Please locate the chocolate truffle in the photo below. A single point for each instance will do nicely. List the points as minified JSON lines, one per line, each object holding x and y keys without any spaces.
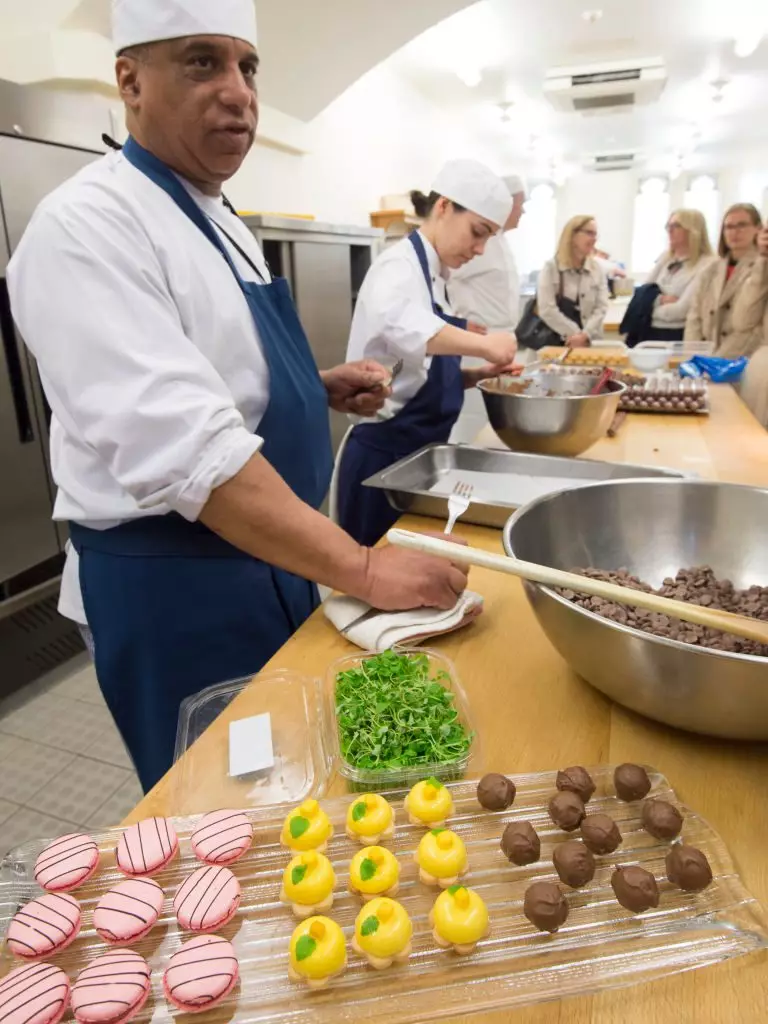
{"x":632,"y":782}
{"x":567,"y":811}
{"x":520,"y":843}
{"x":574,"y":864}
{"x":688,"y":869}
{"x":600,"y":834}
{"x":545,"y":906}
{"x":661,"y":819}
{"x":576,"y":780}
{"x":496,"y":792}
{"x":635,"y":889}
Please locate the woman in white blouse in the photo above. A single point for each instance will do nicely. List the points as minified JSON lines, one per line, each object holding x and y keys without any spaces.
{"x":678,"y":271}
{"x":573,"y":289}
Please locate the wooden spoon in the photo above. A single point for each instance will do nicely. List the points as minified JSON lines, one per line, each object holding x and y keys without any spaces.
{"x":727,"y":622}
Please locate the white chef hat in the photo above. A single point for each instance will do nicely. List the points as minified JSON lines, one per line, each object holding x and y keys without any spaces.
{"x":136,"y":22}
{"x":476,"y":188}
{"x":516,"y":184}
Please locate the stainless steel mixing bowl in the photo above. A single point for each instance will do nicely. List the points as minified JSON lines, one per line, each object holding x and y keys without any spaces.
{"x":653,"y":528}
{"x":567,"y":422}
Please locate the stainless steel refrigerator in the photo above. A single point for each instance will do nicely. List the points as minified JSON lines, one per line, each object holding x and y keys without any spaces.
{"x":45,"y":138}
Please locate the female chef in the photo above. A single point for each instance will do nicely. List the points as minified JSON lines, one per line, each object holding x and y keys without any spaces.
{"x":403,"y":314}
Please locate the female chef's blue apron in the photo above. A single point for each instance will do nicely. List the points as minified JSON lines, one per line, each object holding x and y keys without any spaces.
{"x":173,"y":607}
{"x":428,"y":418}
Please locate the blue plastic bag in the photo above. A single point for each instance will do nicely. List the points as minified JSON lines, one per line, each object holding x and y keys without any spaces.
{"x":719,"y":371}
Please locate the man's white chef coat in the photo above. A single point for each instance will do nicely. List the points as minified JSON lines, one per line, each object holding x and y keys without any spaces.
{"x":487,"y":289}
{"x":147,"y":349}
{"x":394,"y":318}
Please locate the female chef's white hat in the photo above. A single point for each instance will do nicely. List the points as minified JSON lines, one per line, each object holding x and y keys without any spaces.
{"x":476,"y":188}
{"x":136,"y":22}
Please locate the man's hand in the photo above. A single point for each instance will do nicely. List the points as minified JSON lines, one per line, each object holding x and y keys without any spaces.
{"x":399,"y":579}
{"x":357,"y":388}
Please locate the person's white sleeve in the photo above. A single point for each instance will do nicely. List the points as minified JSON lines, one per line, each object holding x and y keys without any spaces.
{"x":91,"y":301}
{"x":398,"y":311}
{"x":547,"y":307}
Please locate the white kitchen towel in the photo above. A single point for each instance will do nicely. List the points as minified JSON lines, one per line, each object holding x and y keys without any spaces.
{"x":379,"y":631}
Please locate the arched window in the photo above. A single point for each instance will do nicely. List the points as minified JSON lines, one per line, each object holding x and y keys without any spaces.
{"x":703,"y":194}
{"x":649,"y":237}
{"x":536,"y":240}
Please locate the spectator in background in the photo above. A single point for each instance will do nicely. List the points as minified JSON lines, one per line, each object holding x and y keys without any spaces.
{"x":729,"y":303}
{"x":572,"y":297}
{"x":754,"y":385}
{"x":611,"y":268}
{"x":487,"y":289}
{"x":677,"y":273}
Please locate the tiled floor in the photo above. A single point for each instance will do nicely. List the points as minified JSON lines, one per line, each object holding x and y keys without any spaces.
{"x":63,"y":764}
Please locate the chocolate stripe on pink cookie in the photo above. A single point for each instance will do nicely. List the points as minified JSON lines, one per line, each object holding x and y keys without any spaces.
{"x":112,"y":989}
{"x":129,"y":911}
{"x":44,"y":926}
{"x":208,"y":899}
{"x":222,"y":837}
{"x":147,"y":847}
{"x":67,"y":863}
{"x":201,"y":974}
{"x":35,"y":994}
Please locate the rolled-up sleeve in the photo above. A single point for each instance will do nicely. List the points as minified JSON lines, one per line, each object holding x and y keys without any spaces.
{"x":92,"y":303}
{"x":396,"y":311}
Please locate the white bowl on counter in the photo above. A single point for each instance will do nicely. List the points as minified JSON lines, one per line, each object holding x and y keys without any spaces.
{"x":649,"y":356}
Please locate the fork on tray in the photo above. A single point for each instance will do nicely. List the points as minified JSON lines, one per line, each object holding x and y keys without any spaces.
{"x":458,"y":504}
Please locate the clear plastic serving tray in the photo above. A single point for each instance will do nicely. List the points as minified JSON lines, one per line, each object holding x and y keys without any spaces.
{"x":602,"y":946}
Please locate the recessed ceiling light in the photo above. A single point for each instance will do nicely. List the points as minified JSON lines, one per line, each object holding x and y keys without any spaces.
{"x":592,"y":16}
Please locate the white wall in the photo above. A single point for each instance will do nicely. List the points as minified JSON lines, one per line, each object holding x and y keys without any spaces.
{"x":610,"y":197}
{"x":380,"y":137}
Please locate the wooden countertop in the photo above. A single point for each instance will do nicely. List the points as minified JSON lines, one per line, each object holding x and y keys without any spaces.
{"x":555,"y":720}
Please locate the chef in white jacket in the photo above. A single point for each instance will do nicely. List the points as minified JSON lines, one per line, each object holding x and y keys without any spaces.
{"x":190,"y":441}
{"x":487,"y":289}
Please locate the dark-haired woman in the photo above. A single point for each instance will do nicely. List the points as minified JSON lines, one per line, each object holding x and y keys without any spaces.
{"x":403,"y":315}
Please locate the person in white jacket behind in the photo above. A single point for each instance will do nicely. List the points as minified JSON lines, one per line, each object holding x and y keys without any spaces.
{"x":678,"y":271}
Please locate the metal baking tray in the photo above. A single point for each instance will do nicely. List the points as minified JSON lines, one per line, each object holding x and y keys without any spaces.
{"x":600,"y":947}
{"x":503,"y":481}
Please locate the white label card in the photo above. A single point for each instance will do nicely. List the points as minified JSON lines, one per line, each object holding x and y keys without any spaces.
{"x":250,"y":745}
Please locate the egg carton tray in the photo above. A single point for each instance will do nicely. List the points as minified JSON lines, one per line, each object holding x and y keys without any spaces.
{"x":602,"y":946}
{"x":666,"y":393}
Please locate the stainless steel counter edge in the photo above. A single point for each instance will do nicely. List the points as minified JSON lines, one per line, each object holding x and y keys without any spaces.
{"x":309,"y":226}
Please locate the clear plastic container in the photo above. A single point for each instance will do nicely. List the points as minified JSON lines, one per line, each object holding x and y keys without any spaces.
{"x":441,"y":670}
{"x":301,"y":766}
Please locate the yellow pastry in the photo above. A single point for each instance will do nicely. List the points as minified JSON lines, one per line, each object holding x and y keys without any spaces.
{"x":318,"y":952}
{"x":307,"y":828}
{"x":429,"y":803}
{"x":374,"y":872}
{"x":383,"y":933}
{"x":442,"y":858}
{"x":459,"y":919}
{"x":370,"y":819}
{"x":308,"y":884}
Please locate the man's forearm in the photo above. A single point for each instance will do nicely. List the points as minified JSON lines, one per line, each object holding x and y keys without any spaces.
{"x":257,"y":512}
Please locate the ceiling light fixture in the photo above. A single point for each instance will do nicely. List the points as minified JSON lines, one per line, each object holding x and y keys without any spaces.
{"x":471,"y":77}
{"x":746,"y":45}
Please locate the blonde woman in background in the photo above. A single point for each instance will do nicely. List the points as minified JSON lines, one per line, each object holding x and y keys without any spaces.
{"x":729,"y":303}
{"x":754,"y":385}
{"x":573,"y":296}
{"x":678,"y":272}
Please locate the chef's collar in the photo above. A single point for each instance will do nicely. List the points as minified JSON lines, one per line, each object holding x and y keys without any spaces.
{"x":436,"y":266}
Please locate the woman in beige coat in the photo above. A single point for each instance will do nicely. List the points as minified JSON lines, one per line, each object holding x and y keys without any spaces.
{"x":573,"y":294}
{"x":754,"y":385}
{"x":729,"y":303}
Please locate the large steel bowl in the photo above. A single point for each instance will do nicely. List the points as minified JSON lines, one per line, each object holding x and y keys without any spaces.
{"x":557,"y":417}
{"x":653,"y":528}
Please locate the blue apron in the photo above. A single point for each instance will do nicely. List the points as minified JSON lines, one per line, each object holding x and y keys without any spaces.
{"x":428,"y":418}
{"x":173,"y":607}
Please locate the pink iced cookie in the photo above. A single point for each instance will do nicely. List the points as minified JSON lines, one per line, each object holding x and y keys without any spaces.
{"x":222,"y":837}
{"x":129,"y":911}
{"x":202,"y":973}
{"x":112,"y":989}
{"x":67,"y":863}
{"x":146,"y":848}
{"x":44,"y":926}
{"x":207,"y":900}
{"x":34,"y":994}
